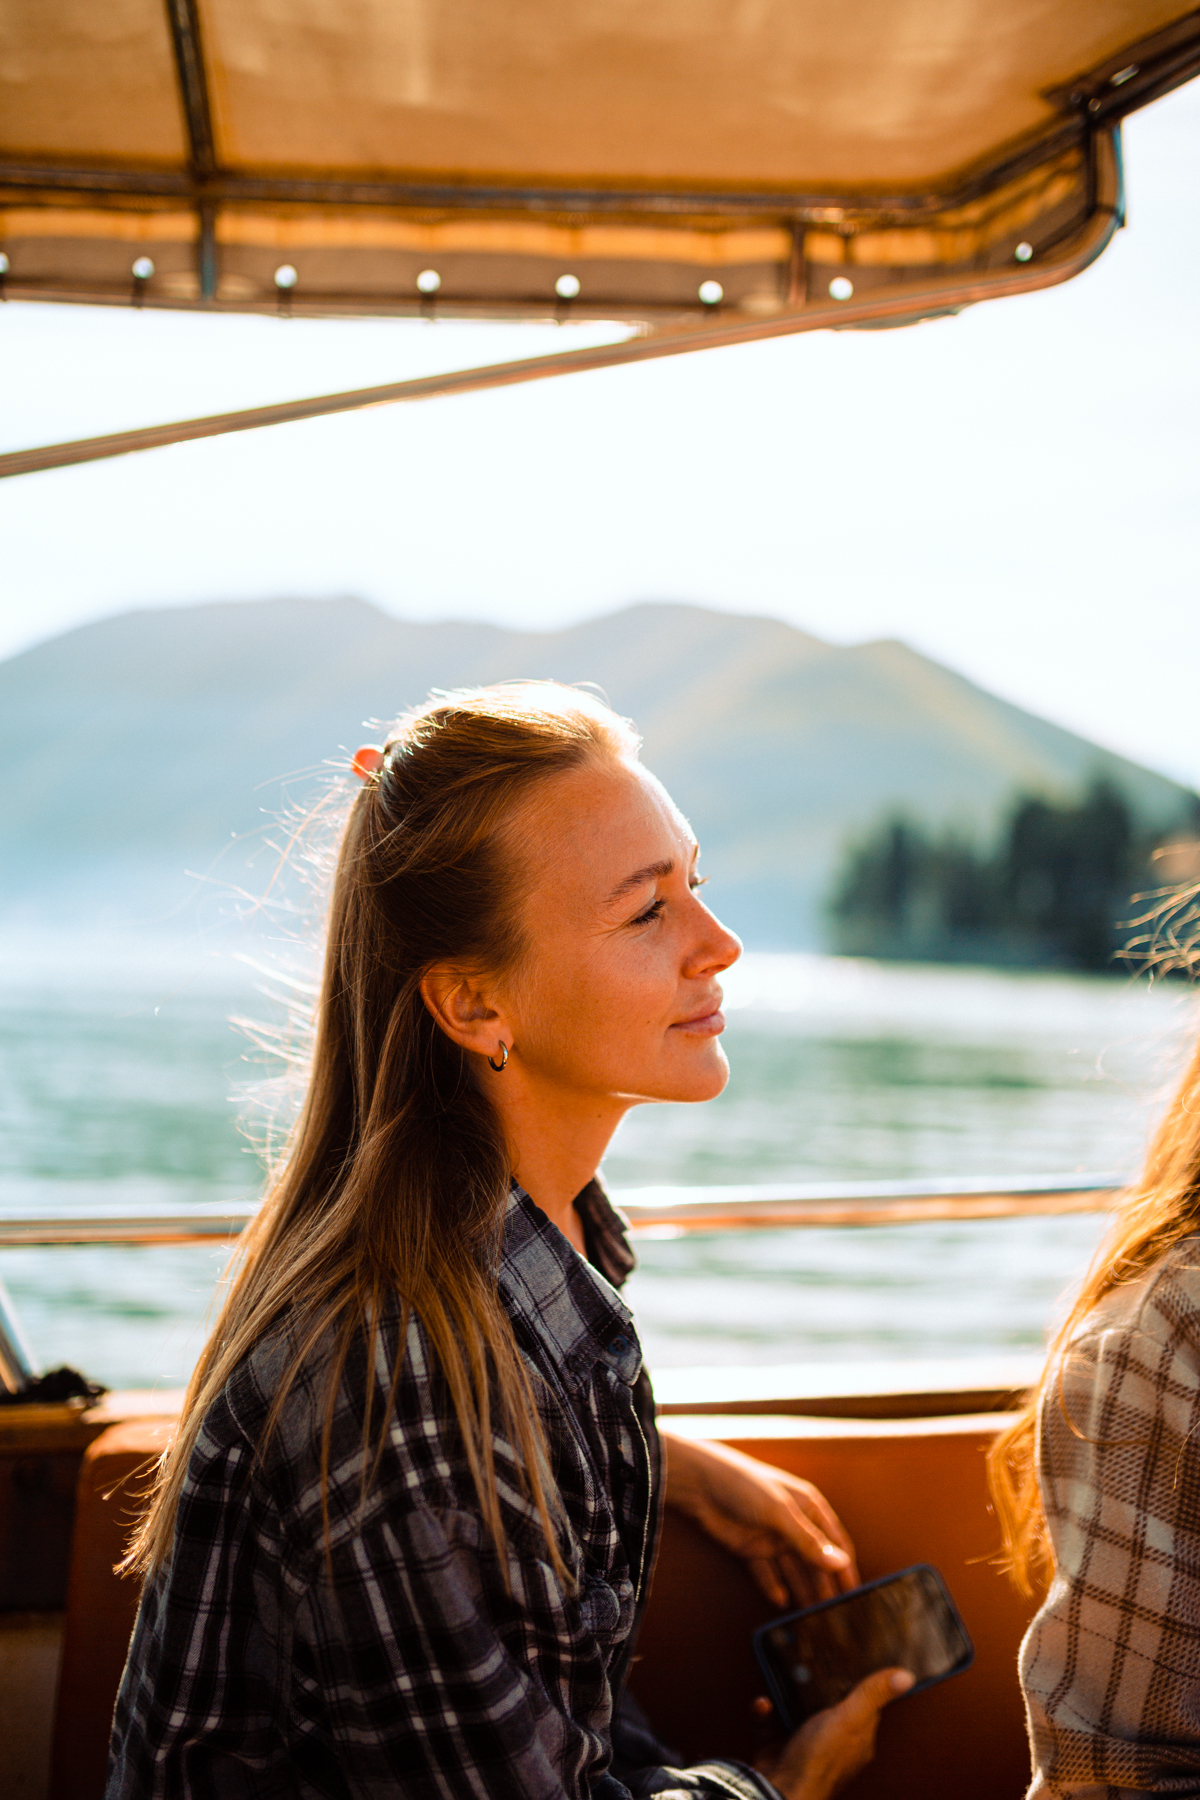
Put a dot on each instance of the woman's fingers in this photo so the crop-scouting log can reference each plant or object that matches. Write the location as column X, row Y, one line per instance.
column 788, row 1581
column 810, row 1504
column 811, row 1538
column 872, row 1694
column 834, row 1745
column 767, row 1576
column 797, row 1548
column 806, row 1583
column 806, row 1525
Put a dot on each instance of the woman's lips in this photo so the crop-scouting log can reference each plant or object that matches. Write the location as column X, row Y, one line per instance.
column 705, row 1024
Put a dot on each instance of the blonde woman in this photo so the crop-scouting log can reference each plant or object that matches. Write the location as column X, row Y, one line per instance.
column 1098, row 1490
column 407, row 1528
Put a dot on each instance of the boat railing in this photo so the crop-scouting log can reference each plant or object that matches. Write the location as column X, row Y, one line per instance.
column 651, row 1211
column 657, row 1210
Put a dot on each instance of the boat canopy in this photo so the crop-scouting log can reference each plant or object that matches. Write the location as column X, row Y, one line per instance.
column 704, row 171
column 607, row 158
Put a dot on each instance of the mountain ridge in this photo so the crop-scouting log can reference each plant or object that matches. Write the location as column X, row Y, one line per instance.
column 152, row 741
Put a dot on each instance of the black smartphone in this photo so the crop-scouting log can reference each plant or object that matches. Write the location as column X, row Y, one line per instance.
column 812, row 1659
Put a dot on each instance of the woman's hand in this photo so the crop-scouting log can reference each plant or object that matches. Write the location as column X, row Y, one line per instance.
column 796, row 1546
column 831, row 1747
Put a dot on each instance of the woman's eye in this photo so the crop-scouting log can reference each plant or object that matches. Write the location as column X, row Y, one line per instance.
column 651, row 913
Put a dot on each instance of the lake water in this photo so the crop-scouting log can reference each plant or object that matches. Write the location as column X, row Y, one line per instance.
column 121, row 1080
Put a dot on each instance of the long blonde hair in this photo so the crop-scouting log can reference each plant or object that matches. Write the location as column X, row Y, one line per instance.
column 396, row 1177
column 1160, row 1210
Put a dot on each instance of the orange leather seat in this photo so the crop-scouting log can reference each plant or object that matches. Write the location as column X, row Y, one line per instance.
column 101, row 1606
column 908, row 1491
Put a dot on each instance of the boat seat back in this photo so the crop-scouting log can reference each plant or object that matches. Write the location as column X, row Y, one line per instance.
column 911, row 1490
column 908, row 1491
column 101, row 1605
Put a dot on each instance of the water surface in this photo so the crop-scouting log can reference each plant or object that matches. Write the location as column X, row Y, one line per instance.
column 122, row 1081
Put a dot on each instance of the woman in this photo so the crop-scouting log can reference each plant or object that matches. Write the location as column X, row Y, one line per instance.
column 1097, row 1486
column 402, row 1541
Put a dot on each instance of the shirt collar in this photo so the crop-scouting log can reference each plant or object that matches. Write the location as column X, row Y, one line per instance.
column 606, row 1233
column 566, row 1303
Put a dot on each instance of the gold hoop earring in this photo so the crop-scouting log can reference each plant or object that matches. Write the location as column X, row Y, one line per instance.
column 502, row 1064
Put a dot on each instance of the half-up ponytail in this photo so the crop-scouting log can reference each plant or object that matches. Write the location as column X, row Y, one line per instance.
column 396, row 1178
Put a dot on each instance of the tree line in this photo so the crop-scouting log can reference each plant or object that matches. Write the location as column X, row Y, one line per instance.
column 1059, row 889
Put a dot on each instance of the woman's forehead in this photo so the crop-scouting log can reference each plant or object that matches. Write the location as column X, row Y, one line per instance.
column 607, row 821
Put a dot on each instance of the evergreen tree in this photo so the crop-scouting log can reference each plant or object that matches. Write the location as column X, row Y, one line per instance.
column 1056, row 890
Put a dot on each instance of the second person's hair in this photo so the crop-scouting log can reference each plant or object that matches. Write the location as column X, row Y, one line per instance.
column 1156, row 1214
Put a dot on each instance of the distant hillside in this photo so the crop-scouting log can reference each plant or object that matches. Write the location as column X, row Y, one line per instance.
column 144, row 745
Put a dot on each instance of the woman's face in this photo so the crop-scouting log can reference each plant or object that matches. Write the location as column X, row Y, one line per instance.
column 617, row 995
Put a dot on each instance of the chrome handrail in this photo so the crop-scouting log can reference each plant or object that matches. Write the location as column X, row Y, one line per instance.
column 17, row 1367
column 664, row 1210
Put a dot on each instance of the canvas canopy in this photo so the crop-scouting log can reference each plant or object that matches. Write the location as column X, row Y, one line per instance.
column 642, row 147
column 705, row 169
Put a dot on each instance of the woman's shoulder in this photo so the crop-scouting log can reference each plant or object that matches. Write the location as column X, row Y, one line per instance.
column 1173, row 1293
column 1161, row 1303
column 307, row 1416
column 1133, row 1357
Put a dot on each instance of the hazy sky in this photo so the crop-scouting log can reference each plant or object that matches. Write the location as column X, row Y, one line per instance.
column 1015, row 491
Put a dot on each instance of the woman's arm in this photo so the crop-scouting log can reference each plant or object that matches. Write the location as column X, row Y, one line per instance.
column 444, row 1678
column 475, row 1698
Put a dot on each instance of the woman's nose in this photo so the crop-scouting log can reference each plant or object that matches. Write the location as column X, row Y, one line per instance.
column 717, row 948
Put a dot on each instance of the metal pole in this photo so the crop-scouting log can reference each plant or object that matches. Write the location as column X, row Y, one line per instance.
column 17, row 1367
column 771, row 1207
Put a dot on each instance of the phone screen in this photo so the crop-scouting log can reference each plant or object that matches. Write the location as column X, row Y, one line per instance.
column 812, row 1659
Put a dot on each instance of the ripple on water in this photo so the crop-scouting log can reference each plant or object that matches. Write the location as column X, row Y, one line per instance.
column 121, row 1093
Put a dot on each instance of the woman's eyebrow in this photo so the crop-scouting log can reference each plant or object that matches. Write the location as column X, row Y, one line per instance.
column 652, row 872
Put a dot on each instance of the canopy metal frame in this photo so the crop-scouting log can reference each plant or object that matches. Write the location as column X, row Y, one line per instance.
column 1089, row 112
column 935, row 295
column 186, row 42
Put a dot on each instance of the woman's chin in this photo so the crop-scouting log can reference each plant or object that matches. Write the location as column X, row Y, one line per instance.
column 700, row 1076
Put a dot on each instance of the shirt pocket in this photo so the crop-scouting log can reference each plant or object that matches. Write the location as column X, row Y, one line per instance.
column 606, row 1609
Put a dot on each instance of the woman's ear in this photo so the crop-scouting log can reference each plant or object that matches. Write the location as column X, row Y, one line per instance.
column 460, row 1002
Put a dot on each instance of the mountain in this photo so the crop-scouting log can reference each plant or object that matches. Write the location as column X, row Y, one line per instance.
column 152, row 743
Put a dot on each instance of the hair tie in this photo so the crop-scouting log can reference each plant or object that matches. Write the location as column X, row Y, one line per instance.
column 368, row 760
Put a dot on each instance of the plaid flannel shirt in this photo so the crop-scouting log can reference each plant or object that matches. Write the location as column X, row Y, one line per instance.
column 1111, row 1664
column 401, row 1661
